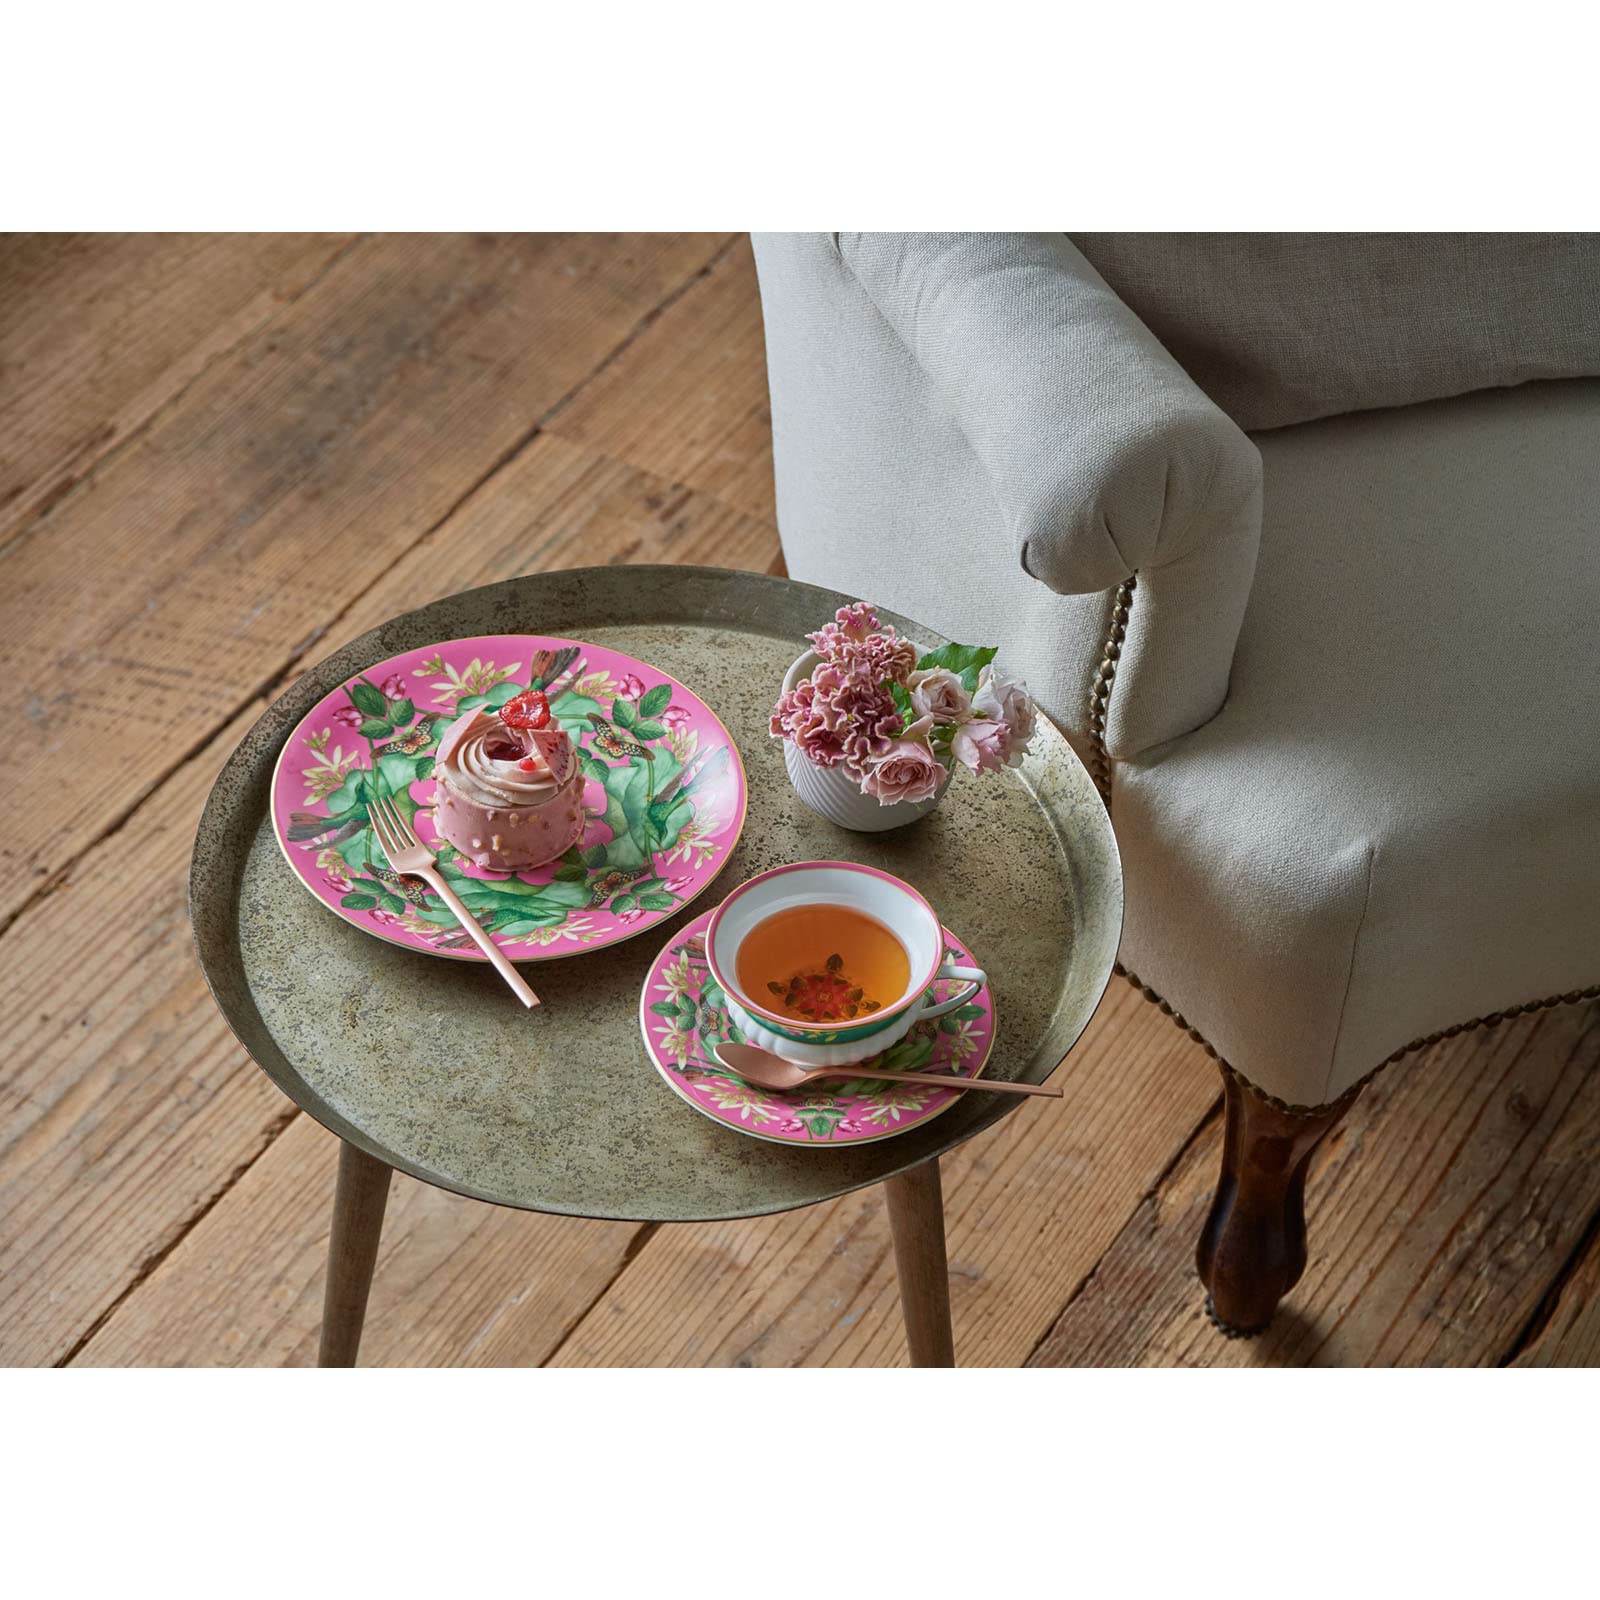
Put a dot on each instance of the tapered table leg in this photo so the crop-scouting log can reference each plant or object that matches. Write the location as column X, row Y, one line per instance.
column 358, row 1201
column 916, row 1215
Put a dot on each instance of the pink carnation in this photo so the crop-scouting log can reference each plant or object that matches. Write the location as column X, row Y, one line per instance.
column 838, row 714
column 856, row 639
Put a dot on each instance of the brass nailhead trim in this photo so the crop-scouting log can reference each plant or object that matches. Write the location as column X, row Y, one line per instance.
column 1571, row 998
column 1100, row 689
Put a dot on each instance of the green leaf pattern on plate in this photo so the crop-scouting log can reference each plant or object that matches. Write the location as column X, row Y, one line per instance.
column 641, row 825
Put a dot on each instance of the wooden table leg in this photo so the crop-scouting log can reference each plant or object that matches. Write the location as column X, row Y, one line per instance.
column 916, row 1214
column 358, row 1201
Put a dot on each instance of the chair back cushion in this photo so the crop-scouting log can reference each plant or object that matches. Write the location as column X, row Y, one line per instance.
column 1280, row 328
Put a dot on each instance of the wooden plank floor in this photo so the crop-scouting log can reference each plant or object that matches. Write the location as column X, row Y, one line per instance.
column 220, row 458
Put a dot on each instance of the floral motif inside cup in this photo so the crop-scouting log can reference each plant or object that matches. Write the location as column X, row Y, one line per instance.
column 880, row 895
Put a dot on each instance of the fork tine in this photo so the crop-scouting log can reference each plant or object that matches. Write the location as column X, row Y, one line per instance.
column 380, row 824
column 397, row 820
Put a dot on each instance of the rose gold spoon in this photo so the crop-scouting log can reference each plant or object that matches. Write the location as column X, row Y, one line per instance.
column 768, row 1071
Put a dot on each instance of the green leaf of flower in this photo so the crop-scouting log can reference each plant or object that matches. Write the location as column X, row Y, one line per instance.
column 571, row 874
column 368, row 700
column 359, row 902
column 647, row 730
column 424, row 767
column 658, row 902
column 965, row 660
column 665, row 1008
column 653, row 703
column 471, row 702
column 594, row 767
column 623, row 713
column 376, row 728
column 624, row 902
column 502, row 692
column 401, row 712
column 595, row 856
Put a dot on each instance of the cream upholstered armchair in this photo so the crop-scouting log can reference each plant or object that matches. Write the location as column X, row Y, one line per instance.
column 1283, row 532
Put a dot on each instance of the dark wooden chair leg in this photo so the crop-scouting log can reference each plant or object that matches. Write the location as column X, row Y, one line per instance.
column 916, row 1216
column 358, row 1201
column 1253, row 1246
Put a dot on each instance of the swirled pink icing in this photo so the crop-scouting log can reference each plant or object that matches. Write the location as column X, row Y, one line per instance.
column 507, row 798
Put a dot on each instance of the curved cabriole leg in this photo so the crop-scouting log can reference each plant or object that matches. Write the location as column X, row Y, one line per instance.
column 358, row 1202
column 916, row 1217
column 1253, row 1246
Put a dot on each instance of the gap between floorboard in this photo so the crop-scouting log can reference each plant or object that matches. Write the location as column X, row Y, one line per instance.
column 153, row 1263
column 647, row 1231
column 1195, row 1134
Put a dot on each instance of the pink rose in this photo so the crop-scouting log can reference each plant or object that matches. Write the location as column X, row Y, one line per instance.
column 348, row 717
column 394, row 686
column 998, row 700
column 981, row 745
column 630, row 688
column 938, row 693
column 907, row 770
column 675, row 717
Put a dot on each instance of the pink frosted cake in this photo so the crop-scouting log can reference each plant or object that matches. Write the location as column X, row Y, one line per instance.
column 507, row 796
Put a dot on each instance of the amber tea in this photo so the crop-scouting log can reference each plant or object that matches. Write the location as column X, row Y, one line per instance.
column 823, row 963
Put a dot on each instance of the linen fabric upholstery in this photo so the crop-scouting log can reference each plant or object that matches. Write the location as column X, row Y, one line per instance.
column 1393, row 825
column 957, row 415
column 1280, row 328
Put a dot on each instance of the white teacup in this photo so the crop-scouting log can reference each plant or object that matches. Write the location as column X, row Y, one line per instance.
column 840, row 883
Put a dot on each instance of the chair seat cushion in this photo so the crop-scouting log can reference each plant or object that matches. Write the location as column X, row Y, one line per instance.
column 1393, row 825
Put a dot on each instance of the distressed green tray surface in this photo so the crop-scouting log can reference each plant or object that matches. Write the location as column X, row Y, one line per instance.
column 432, row 1067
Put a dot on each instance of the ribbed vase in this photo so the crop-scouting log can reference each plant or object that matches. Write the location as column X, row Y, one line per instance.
column 832, row 793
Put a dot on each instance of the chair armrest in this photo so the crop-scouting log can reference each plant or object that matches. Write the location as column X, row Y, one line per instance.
column 1104, row 454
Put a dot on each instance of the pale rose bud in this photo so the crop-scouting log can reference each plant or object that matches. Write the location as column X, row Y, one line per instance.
column 937, row 692
column 981, row 745
column 998, row 700
column 630, row 688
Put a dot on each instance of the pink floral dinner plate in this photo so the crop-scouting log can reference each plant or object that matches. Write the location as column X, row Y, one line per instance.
column 664, row 797
column 683, row 1014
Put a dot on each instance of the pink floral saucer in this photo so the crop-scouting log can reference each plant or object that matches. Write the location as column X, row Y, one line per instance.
column 665, row 797
column 683, row 1014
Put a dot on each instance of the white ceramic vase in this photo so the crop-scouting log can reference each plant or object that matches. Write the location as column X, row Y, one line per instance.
column 832, row 793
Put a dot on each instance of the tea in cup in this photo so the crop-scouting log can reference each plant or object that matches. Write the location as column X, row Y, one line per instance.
column 827, row 962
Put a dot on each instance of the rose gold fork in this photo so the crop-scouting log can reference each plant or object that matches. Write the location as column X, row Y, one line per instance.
column 408, row 854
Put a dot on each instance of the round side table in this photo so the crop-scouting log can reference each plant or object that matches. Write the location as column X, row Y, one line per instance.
column 431, row 1068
